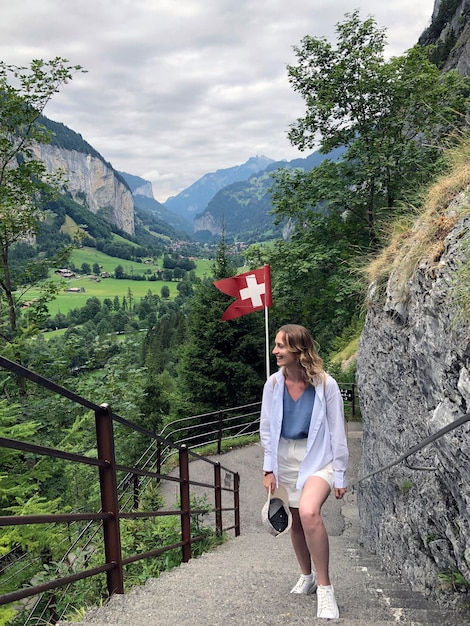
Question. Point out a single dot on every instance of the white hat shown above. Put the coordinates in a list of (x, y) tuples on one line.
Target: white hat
[(275, 514)]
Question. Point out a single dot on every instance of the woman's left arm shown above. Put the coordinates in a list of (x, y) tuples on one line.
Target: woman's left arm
[(336, 424)]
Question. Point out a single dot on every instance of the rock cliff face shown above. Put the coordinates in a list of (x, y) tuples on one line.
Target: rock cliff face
[(459, 26), (413, 376), (144, 190), (92, 183), (450, 31), (413, 373), (208, 222)]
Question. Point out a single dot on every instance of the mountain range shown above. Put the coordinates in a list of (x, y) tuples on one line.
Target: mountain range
[(236, 199), (195, 198)]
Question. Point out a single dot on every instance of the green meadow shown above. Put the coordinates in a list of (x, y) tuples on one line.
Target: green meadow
[(109, 287)]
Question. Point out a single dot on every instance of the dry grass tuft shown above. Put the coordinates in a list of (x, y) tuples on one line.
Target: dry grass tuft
[(420, 235)]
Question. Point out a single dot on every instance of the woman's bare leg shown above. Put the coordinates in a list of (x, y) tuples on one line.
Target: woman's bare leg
[(299, 544), (314, 494)]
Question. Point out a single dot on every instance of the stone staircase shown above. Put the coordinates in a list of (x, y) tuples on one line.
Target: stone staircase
[(400, 604), (247, 580)]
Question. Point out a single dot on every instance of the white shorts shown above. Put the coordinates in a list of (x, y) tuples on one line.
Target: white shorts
[(291, 453)]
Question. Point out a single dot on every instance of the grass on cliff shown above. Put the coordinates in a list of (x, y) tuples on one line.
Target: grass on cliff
[(420, 234)]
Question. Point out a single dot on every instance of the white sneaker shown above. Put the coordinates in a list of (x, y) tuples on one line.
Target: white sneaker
[(326, 603), (304, 586)]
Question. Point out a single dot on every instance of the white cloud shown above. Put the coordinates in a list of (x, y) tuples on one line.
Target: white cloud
[(178, 89)]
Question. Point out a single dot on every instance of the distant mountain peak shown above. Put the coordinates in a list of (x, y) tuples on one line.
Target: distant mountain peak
[(139, 186), (144, 200), (195, 198)]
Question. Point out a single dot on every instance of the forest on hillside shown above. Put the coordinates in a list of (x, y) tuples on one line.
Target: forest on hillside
[(395, 119)]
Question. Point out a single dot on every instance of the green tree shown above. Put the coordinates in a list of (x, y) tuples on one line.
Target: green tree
[(90, 310), (130, 298), (185, 289), (390, 116), (388, 121), (119, 321), (178, 273), (16, 478), (313, 282), (162, 341), (222, 362), (24, 182), (168, 274)]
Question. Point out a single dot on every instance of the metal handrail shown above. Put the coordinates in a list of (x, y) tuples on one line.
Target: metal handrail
[(112, 511), (193, 417), (225, 427), (425, 442)]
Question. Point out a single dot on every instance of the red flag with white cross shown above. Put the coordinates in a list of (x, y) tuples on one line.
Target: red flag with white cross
[(252, 290)]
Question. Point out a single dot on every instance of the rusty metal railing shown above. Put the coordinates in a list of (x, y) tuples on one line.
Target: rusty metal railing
[(412, 451), (111, 511)]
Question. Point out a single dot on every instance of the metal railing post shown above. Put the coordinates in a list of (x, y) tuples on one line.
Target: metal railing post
[(236, 502), (185, 503), (218, 499), (159, 458), (109, 498), (136, 491), (219, 435)]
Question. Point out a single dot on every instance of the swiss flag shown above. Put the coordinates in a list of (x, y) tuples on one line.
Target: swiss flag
[(252, 290)]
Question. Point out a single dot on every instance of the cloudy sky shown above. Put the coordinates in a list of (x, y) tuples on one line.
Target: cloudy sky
[(175, 89)]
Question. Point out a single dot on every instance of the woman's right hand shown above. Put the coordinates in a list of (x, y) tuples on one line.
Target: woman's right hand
[(269, 482)]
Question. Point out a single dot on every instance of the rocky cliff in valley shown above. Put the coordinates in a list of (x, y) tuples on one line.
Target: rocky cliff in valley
[(93, 183), (207, 222)]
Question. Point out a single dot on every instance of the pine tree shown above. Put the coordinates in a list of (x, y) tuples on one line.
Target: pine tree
[(222, 362)]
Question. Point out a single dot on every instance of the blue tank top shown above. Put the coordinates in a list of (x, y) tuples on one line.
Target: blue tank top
[(296, 414)]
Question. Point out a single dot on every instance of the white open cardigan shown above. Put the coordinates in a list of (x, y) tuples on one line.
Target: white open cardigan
[(326, 441)]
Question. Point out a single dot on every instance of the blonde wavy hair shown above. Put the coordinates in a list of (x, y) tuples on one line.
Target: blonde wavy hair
[(299, 341)]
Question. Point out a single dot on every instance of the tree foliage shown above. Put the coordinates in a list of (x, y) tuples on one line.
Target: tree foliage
[(392, 116), (221, 363), (25, 184)]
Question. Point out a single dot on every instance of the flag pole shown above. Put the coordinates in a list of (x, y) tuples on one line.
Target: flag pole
[(267, 340), (266, 320)]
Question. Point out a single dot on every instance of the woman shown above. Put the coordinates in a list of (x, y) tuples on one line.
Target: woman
[(305, 449)]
